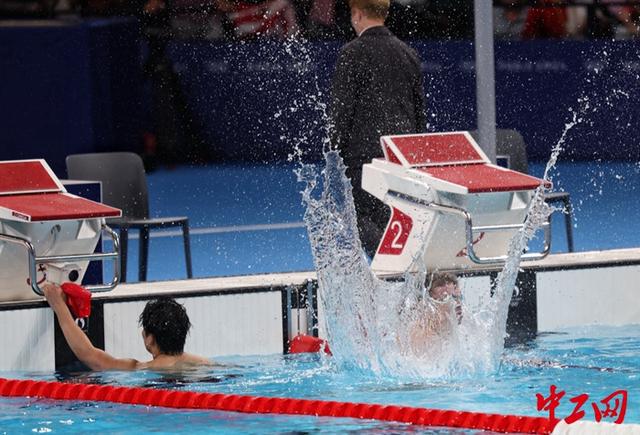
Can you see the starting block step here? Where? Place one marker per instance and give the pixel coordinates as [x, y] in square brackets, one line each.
[39, 207]
[482, 178]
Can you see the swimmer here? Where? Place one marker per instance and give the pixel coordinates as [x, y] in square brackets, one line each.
[434, 317]
[165, 325]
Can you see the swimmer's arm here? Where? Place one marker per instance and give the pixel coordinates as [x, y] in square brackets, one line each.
[84, 350]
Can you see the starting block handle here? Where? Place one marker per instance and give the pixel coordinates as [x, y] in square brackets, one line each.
[530, 256]
[35, 260]
[470, 230]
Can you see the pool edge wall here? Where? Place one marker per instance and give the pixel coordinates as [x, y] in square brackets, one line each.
[252, 314]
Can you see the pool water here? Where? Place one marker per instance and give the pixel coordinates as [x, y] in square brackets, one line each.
[595, 360]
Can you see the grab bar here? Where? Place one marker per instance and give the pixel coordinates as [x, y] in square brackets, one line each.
[470, 230]
[34, 260]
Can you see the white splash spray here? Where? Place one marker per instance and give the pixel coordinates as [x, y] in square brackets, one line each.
[368, 320]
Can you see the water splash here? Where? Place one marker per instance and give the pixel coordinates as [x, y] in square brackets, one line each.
[366, 317]
[370, 322]
[537, 215]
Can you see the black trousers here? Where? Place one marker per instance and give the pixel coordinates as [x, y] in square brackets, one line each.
[372, 215]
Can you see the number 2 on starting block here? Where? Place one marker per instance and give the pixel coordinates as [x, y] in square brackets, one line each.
[397, 234]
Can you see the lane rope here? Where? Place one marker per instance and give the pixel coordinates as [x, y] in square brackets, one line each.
[275, 405]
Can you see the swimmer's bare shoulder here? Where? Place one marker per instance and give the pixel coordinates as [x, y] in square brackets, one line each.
[184, 361]
[196, 360]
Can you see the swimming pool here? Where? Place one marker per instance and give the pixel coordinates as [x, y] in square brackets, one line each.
[596, 361]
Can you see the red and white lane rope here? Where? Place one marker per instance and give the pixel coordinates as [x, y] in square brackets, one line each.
[275, 405]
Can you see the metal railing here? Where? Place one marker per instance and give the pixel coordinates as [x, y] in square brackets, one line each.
[470, 230]
[34, 260]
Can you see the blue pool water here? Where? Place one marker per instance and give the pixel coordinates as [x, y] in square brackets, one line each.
[595, 360]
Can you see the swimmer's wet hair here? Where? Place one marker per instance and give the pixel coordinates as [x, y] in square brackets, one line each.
[167, 320]
[375, 9]
[438, 279]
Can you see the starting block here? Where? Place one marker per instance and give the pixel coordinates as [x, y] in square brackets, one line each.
[47, 233]
[448, 203]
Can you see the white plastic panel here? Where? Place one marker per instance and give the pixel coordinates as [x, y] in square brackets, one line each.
[27, 340]
[236, 324]
[598, 296]
[122, 336]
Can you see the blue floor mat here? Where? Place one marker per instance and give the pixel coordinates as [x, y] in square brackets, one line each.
[228, 194]
[226, 254]
[605, 198]
[231, 197]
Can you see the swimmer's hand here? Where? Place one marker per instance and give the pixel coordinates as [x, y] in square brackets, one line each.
[94, 358]
[54, 295]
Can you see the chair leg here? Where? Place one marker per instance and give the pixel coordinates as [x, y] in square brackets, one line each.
[124, 245]
[143, 254]
[568, 221]
[187, 248]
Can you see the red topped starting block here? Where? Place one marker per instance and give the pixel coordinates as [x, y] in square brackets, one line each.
[449, 203]
[59, 231]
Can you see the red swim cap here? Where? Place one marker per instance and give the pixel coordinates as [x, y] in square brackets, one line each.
[78, 299]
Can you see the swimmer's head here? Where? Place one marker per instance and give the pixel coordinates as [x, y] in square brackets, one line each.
[444, 286]
[167, 321]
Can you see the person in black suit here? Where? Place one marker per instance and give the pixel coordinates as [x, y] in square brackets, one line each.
[377, 90]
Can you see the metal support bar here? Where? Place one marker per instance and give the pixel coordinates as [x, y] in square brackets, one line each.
[485, 77]
[311, 315]
[492, 228]
[289, 311]
[470, 230]
[35, 260]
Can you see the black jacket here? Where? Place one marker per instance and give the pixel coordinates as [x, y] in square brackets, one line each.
[377, 90]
